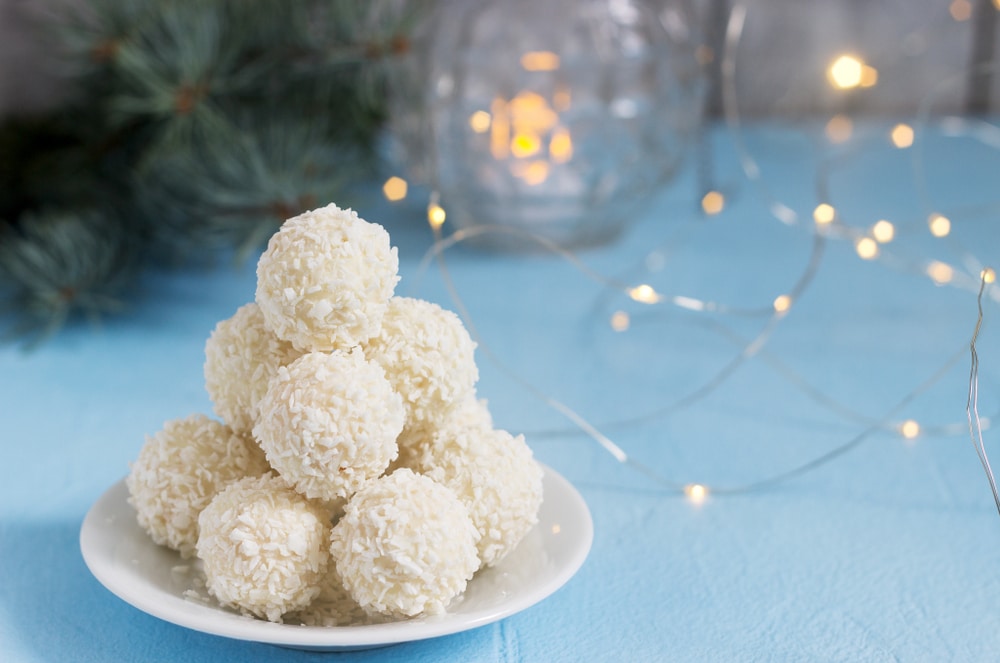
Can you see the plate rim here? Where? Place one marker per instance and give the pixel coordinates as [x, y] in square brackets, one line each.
[94, 549]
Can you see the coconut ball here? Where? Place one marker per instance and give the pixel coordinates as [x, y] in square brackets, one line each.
[263, 547]
[470, 411]
[333, 606]
[427, 355]
[328, 423]
[495, 476]
[241, 356]
[178, 472]
[325, 279]
[405, 546]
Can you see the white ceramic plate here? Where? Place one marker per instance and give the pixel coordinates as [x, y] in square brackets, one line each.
[125, 560]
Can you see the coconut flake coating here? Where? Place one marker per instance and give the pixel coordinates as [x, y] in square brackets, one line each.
[405, 546]
[325, 279]
[495, 476]
[333, 606]
[470, 411]
[241, 356]
[180, 469]
[263, 547]
[427, 355]
[328, 423]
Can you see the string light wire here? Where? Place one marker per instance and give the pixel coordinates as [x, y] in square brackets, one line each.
[755, 347]
[972, 404]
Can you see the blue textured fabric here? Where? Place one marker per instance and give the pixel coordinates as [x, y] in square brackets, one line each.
[886, 553]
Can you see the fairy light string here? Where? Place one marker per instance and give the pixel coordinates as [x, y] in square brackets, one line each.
[972, 404]
[871, 241]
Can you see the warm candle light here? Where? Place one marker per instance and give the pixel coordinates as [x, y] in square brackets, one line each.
[525, 145]
[561, 146]
[540, 61]
[532, 173]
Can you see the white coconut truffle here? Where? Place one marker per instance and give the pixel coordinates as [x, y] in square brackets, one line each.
[178, 472]
[470, 411]
[241, 356]
[326, 278]
[264, 547]
[333, 606]
[495, 476]
[405, 546]
[328, 423]
[427, 355]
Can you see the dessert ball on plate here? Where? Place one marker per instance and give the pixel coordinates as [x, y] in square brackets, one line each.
[496, 477]
[325, 279]
[333, 606]
[427, 355]
[328, 423]
[264, 547]
[470, 411]
[241, 356]
[178, 472]
[404, 546]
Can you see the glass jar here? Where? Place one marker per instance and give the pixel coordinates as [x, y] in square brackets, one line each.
[547, 120]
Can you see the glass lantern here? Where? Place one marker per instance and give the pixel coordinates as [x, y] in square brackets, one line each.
[547, 121]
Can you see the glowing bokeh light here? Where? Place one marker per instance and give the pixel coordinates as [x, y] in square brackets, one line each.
[713, 202]
[435, 215]
[540, 61]
[909, 429]
[940, 225]
[480, 121]
[845, 72]
[824, 214]
[883, 231]
[394, 188]
[866, 248]
[696, 493]
[902, 136]
[839, 129]
[960, 10]
[940, 272]
[644, 294]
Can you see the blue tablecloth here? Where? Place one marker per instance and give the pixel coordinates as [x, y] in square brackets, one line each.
[888, 552]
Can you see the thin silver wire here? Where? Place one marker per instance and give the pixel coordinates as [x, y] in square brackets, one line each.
[972, 405]
[755, 346]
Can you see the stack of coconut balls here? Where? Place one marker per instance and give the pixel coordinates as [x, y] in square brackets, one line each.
[354, 476]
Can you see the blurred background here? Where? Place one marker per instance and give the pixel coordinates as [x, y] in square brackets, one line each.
[160, 133]
[913, 43]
